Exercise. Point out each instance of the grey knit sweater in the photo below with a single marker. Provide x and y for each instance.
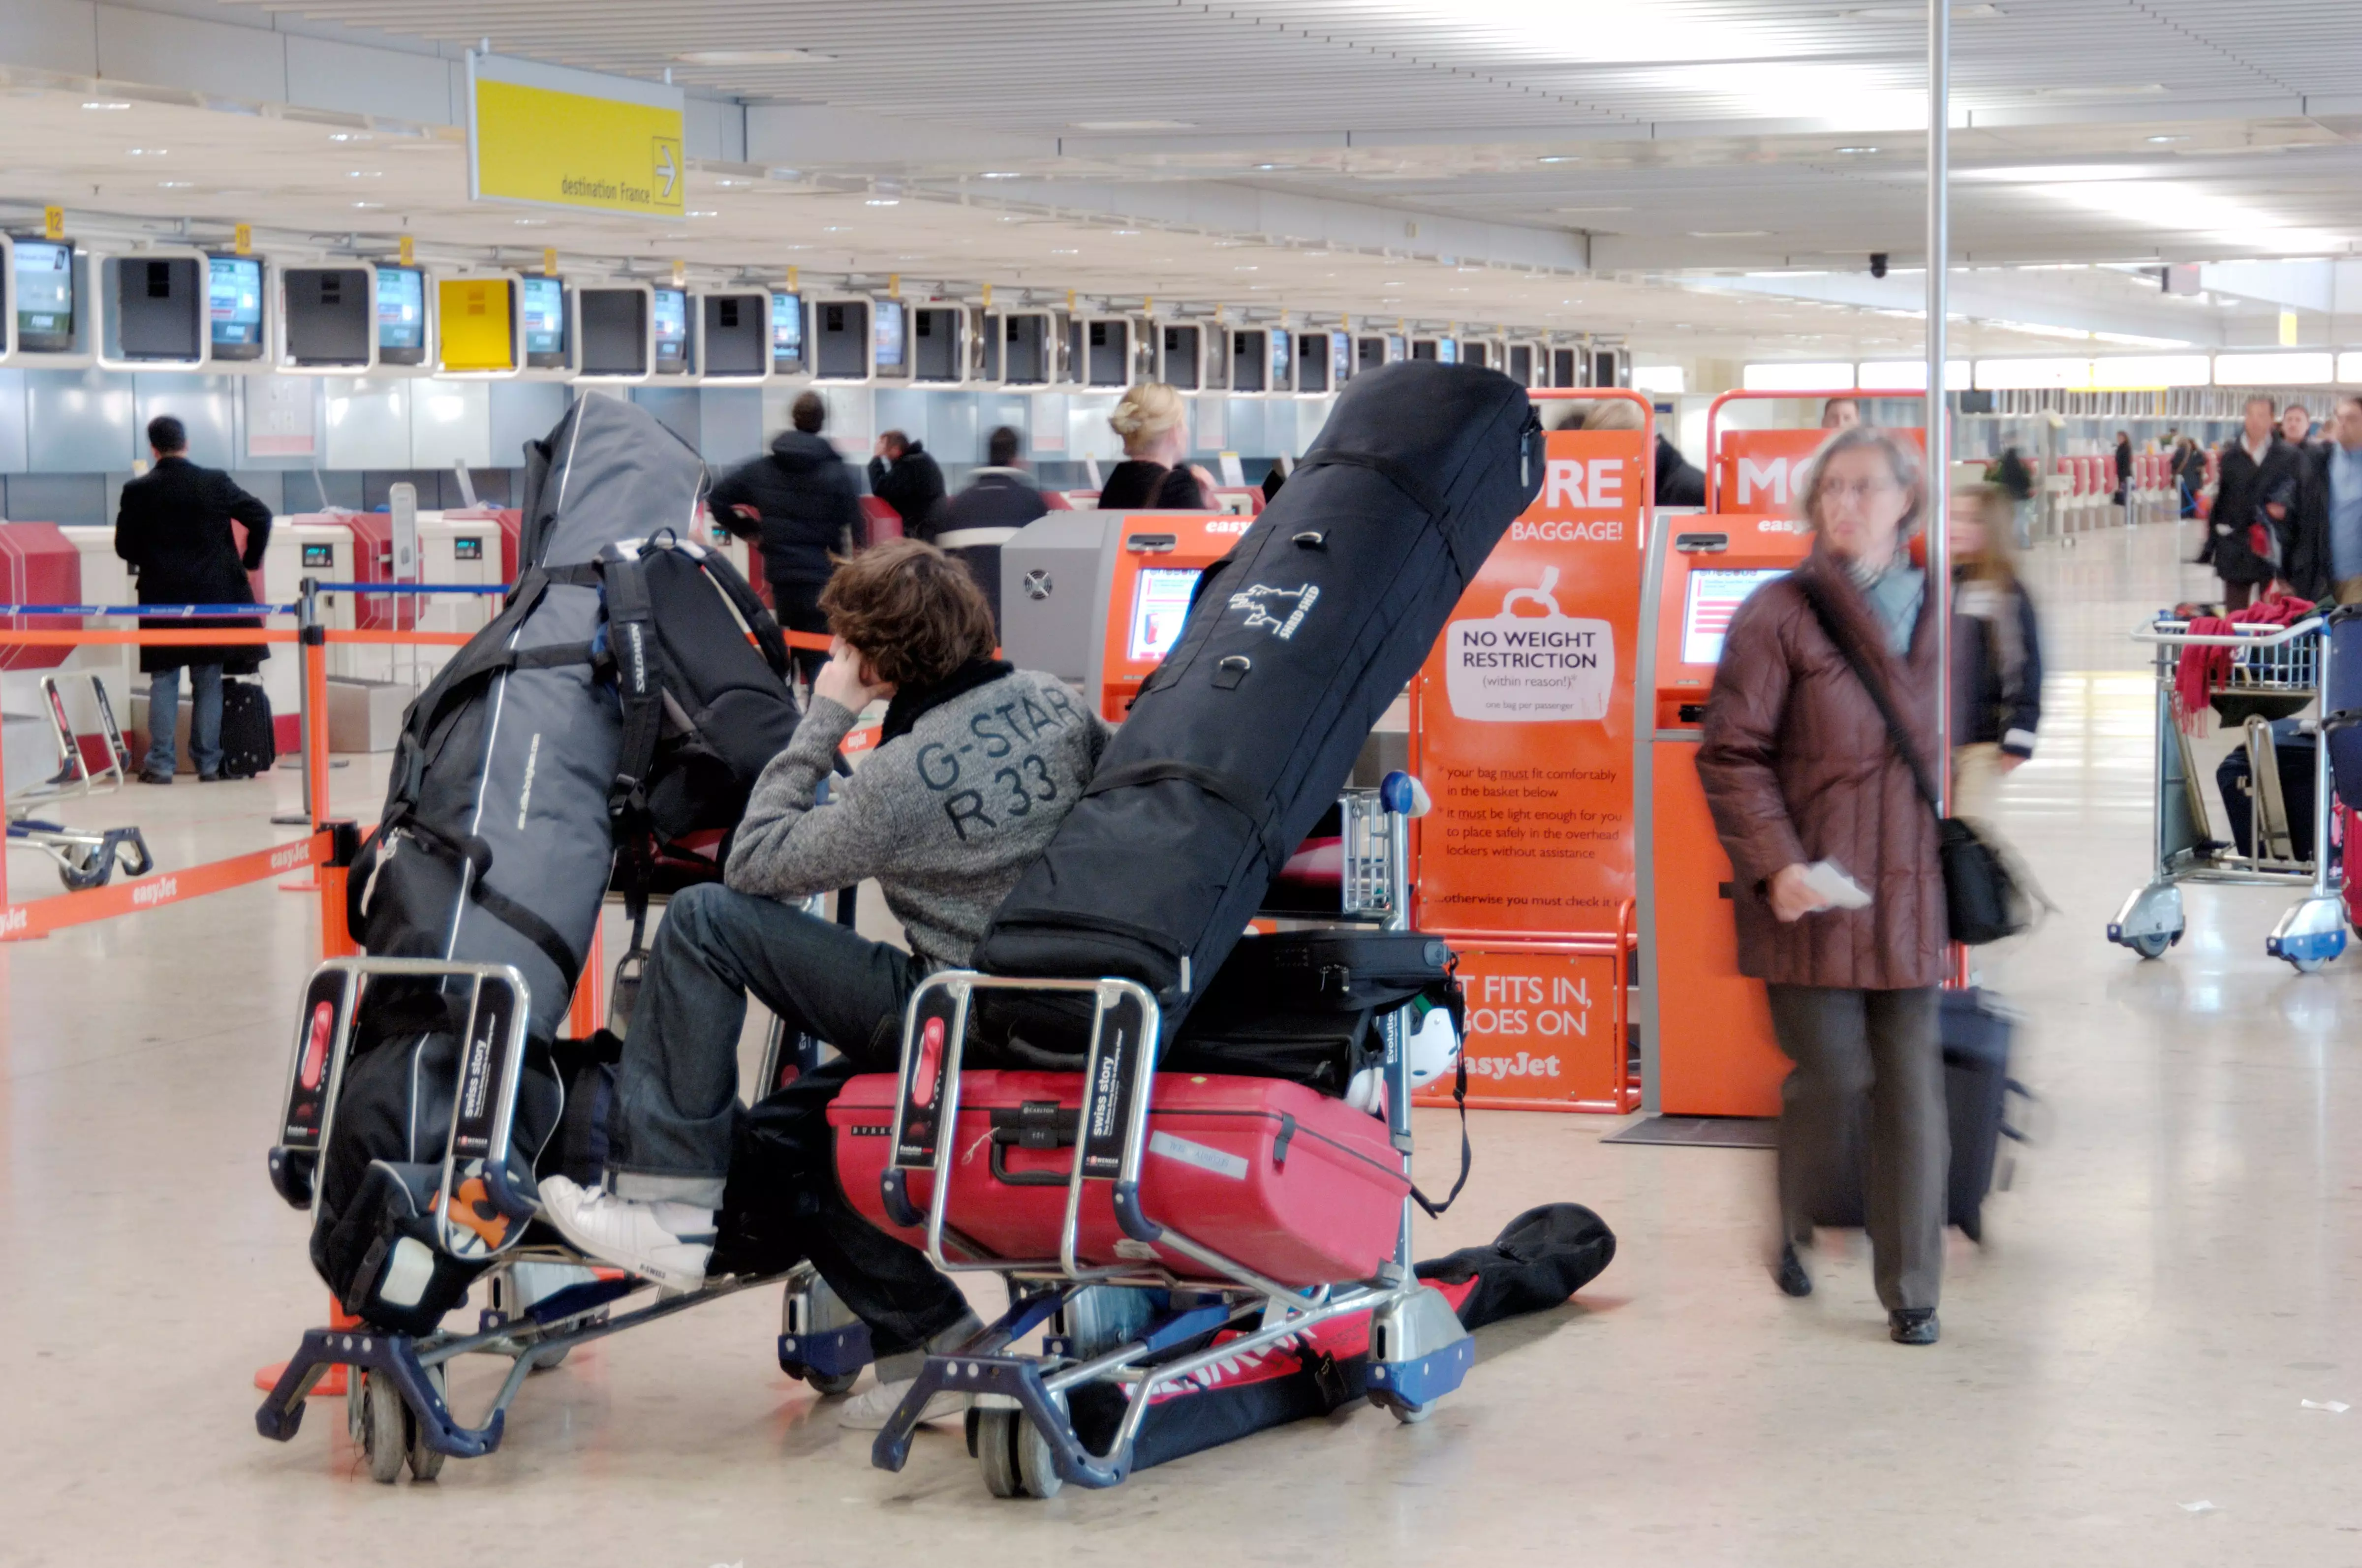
(945, 817)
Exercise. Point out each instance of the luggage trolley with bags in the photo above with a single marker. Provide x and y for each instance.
(616, 713)
(1156, 1102)
(2262, 678)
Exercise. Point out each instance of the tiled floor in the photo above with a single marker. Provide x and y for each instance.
(2120, 1380)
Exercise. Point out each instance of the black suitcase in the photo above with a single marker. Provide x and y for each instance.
(1297, 642)
(1977, 1086)
(2295, 754)
(248, 745)
(2341, 699)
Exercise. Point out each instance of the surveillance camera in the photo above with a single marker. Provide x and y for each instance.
(1877, 264)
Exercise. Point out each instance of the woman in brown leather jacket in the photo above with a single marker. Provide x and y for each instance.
(1799, 769)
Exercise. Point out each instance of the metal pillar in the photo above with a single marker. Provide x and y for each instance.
(1939, 427)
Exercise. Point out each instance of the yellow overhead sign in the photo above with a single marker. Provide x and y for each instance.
(574, 138)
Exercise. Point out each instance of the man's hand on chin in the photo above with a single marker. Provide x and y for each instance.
(846, 679)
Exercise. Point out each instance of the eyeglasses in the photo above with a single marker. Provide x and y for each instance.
(1858, 490)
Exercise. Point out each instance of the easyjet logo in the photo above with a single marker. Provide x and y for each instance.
(1229, 525)
(162, 891)
(291, 856)
(1519, 1066)
(17, 918)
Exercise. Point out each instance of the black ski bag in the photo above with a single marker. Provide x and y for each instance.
(1296, 643)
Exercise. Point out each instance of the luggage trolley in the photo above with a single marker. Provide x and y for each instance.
(2275, 673)
(84, 857)
(397, 1408)
(1022, 1431)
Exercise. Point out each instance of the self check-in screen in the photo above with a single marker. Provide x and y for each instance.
(1160, 603)
(1714, 598)
(786, 328)
(233, 300)
(44, 285)
(672, 329)
(400, 309)
(545, 321)
(890, 334)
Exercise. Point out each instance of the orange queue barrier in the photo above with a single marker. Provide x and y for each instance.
(20, 923)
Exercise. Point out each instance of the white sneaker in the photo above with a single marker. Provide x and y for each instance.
(870, 1410)
(665, 1243)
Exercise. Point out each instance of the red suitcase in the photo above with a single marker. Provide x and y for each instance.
(1299, 1188)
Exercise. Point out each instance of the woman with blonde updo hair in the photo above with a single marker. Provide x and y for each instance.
(1155, 475)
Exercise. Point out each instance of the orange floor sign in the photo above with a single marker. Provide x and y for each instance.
(1523, 731)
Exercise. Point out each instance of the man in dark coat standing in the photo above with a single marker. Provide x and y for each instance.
(904, 476)
(2254, 491)
(973, 525)
(799, 506)
(174, 528)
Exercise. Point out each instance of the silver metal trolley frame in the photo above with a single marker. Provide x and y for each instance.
(2284, 664)
(1021, 1431)
(84, 857)
(396, 1407)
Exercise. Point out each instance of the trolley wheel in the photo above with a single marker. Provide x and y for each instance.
(2152, 945)
(2307, 966)
(996, 1450)
(1402, 1410)
(384, 1427)
(1034, 1465)
(425, 1464)
(828, 1386)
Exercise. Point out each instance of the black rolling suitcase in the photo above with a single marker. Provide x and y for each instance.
(1977, 1089)
(2341, 701)
(1296, 642)
(2293, 755)
(248, 745)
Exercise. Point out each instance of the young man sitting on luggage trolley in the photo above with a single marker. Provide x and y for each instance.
(976, 766)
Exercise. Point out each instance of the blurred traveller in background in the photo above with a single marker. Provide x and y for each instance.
(1678, 482)
(2296, 425)
(1840, 414)
(1804, 780)
(1155, 475)
(2329, 505)
(802, 508)
(2252, 495)
(2190, 476)
(2123, 467)
(1996, 653)
(972, 526)
(904, 475)
(2016, 482)
(173, 527)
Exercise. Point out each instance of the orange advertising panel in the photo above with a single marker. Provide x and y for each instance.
(1523, 721)
(1546, 1028)
(1757, 470)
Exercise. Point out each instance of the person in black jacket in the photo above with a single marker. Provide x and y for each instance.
(904, 475)
(799, 506)
(972, 526)
(2123, 467)
(2251, 497)
(1996, 652)
(174, 528)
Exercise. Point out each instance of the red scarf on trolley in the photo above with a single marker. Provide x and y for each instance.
(2203, 669)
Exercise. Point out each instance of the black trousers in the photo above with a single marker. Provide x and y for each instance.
(797, 605)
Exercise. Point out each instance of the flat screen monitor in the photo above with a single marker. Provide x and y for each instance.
(889, 335)
(1160, 603)
(234, 303)
(401, 315)
(671, 308)
(1341, 357)
(787, 332)
(545, 324)
(44, 287)
(1714, 598)
(1447, 350)
(1283, 362)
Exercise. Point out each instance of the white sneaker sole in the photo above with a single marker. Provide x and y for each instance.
(942, 1407)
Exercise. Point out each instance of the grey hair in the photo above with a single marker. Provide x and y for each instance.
(1902, 461)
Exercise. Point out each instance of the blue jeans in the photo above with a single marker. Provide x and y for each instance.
(164, 717)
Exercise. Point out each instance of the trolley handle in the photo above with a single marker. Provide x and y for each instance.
(2148, 632)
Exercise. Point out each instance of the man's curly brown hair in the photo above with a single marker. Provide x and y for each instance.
(911, 611)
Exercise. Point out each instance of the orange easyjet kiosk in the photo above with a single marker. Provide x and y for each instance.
(1705, 1030)
(1151, 562)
